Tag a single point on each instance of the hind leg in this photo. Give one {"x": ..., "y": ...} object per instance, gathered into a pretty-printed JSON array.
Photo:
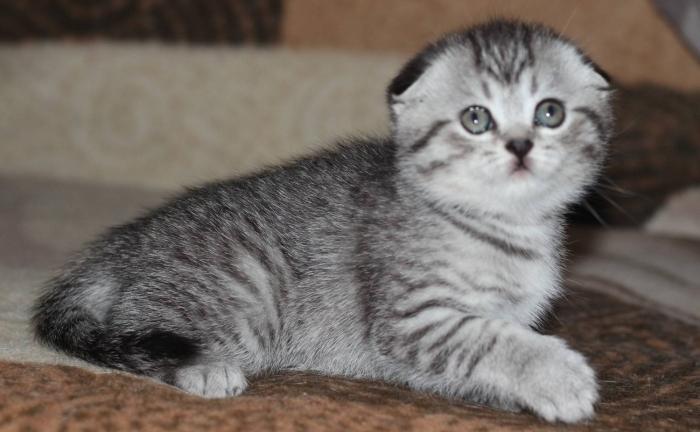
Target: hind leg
[
  {"x": 197, "y": 337},
  {"x": 189, "y": 361},
  {"x": 210, "y": 379},
  {"x": 194, "y": 365}
]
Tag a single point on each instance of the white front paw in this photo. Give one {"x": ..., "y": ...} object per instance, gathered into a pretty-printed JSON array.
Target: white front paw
[{"x": 557, "y": 384}]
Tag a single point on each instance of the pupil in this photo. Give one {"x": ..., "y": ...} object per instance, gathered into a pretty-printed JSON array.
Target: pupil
[{"x": 475, "y": 118}]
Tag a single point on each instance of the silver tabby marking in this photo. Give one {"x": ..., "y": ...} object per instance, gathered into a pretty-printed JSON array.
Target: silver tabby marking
[{"x": 423, "y": 258}]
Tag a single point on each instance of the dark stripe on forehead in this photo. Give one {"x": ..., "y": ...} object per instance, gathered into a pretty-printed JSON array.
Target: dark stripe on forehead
[
  {"x": 498, "y": 77},
  {"x": 527, "y": 43},
  {"x": 519, "y": 71},
  {"x": 485, "y": 88},
  {"x": 501, "y": 48},
  {"x": 423, "y": 141},
  {"x": 505, "y": 51},
  {"x": 596, "y": 120},
  {"x": 506, "y": 70},
  {"x": 476, "y": 47},
  {"x": 534, "y": 85},
  {"x": 529, "y": 59}
]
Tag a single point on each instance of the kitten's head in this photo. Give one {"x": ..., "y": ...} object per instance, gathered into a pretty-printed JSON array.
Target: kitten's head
[{"x": 505, "y": 117}]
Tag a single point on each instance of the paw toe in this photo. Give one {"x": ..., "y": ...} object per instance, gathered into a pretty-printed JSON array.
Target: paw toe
[{"x": 216, "y": 380}]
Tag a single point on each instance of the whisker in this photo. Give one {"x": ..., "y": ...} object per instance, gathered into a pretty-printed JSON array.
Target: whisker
[
  {"x": 619, "y": 190},
  {"x": 611, "y": 182},
  {"x": 612, "y": 186},
  {"x": 622, "y": 192},
  {"x": 595, "y": 214},
  {"x": 618, "y": 133},
  {"x": 616, "y": 205},
  {"x": 591, "y": 210},
  {"x": 554, "y": 315},
  {"x": 568, "y": 21},
  {"x": 575, "y": 282}
]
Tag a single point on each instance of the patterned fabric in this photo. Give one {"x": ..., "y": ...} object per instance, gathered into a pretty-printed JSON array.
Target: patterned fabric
[
  {"x": 634, "y": 266},
  {"x": 647, "y": 367},
  {"x": 365, "y": 25},
  {"x": 655, "y": 152},
  {"x": 162, "y": 117},
  {"x": 679, "y": 217},
  {"x": 225, "y": 21}
]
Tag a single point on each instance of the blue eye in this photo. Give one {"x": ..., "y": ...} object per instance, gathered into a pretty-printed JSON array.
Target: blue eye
[
  {"x": 549, "y": 113},
  {"x": 477, "y": 119}
]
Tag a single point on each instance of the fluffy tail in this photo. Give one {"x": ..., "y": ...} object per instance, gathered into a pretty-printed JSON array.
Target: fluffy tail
[
  {"x": 61, "y": 322},
  {"x": 66, "y": 326}
]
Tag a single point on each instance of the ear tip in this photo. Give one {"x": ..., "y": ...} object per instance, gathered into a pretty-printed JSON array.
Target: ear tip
[
  {"x": 408, "y": 75},
  {"x": 606, "y": 76},
  {"x": 593, "y": 65},
  {"x": 416, "y": 67}
]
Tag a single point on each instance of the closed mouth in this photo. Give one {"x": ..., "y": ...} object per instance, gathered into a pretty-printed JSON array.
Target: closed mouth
[{"x": 520, "y": 167}]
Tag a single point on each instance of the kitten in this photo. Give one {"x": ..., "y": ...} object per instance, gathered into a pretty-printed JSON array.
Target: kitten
[{"x": 422, "y": 258}]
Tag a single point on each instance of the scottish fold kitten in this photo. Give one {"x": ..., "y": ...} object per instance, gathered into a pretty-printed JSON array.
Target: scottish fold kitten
[{"x": 424, "y": 258}]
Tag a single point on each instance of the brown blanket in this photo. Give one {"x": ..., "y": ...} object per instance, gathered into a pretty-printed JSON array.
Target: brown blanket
[{"x": 647, "y": 365}]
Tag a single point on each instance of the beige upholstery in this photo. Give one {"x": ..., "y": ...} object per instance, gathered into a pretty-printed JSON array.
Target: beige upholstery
[{"x": 167, "y": 117}]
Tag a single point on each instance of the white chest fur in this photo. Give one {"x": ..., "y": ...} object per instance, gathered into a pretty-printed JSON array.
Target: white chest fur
[{"x": 497, "y": 283}]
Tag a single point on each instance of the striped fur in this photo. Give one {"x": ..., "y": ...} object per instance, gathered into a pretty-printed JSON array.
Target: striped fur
[{"x": 423, "y": 258}]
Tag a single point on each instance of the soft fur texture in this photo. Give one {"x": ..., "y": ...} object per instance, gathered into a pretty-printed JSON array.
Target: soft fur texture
[{"x": 423, "y": 258}]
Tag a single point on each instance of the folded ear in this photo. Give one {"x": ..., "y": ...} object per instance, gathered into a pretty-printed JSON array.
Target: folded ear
[
  {"x": 407, "y": 83},
  {"x": 597, "y": 69},
  {"x": 409, "y": 74},
  {"x": 416, "y": 68}
]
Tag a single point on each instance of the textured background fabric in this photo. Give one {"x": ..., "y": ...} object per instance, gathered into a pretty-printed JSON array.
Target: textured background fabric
[
  {"x": 220, "y": 21},
  {"x": 647, "y": 367},
  {"x": 627, "y": 33},
  {"x": 655, "y": 151},
  {"x": 680, "y": 215},
  {"x": 165, "y": 117}
]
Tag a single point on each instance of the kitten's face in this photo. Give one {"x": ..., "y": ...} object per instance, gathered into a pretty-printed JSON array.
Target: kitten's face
[{"x": 502, "y": 122}]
